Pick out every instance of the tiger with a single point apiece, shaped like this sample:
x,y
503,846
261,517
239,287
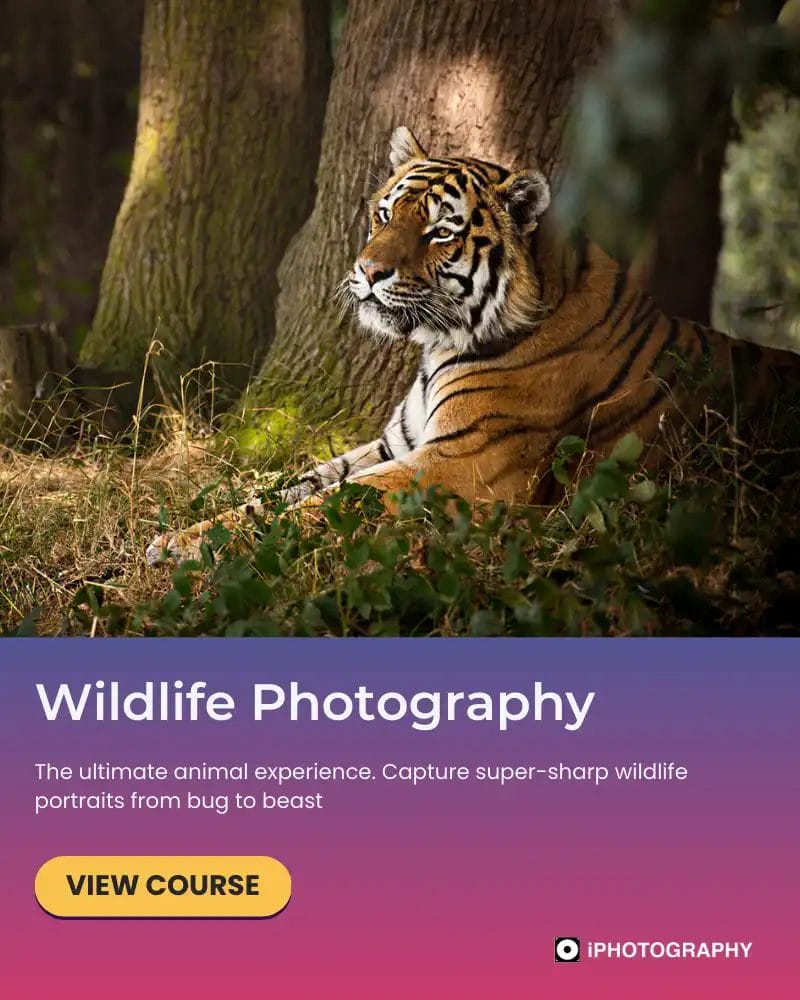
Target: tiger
x,y
524,337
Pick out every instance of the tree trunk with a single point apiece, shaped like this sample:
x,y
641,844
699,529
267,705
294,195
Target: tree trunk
x,y
66,132
678,263
490,78
230,114
27,355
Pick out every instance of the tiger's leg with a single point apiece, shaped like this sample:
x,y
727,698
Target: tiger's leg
x,y
425,466
182,545
336,471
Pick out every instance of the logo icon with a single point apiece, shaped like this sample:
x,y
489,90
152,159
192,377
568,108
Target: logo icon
x,y
568,949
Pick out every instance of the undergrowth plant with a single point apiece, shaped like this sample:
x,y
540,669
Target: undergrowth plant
x,y
620,555
710,546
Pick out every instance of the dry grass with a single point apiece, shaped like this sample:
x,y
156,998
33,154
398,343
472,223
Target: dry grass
x,y
82,510
79,504
87,515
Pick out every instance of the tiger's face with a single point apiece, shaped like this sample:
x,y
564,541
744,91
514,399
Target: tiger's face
x,y
446,262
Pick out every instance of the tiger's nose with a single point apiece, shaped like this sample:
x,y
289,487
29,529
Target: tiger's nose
x,y
375,270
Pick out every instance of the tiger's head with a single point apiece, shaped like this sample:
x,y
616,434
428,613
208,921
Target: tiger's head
x,y
446,262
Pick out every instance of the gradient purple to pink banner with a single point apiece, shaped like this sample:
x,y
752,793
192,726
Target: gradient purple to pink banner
x,y
441,890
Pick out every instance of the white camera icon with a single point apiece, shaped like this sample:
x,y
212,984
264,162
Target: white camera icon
x,y
568,949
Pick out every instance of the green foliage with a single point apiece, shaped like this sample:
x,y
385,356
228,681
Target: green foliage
x,y
621,555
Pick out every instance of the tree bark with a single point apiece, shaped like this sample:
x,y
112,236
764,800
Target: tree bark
x,y
230,116
491,78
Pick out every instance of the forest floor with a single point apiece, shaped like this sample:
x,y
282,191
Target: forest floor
x,y
712,547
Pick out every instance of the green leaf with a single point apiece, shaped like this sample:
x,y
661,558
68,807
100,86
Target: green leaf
x,y
595,517
27,627
628,449
485,623
182,581
571,445
565,452
267,560
512,597
198,503
388,551
529,615
561,472
516,564
170,604
436,558
448,585
356,553
689,532
608,482
218,535
643,491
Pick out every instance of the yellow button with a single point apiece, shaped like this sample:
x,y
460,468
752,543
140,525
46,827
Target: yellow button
x,y
132,886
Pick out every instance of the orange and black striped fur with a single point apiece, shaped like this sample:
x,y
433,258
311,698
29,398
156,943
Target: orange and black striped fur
x,y
525,339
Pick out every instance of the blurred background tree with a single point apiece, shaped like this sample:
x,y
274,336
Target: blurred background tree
x,y
68,95
232,98
651,133
231,110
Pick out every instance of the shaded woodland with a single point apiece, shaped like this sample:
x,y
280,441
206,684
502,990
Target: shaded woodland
x,y
183,186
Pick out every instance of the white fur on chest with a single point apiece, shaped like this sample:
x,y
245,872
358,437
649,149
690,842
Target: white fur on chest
x,y
414,420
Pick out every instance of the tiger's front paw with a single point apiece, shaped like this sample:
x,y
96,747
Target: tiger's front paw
x,y
177,545
309,508
294,495
183,545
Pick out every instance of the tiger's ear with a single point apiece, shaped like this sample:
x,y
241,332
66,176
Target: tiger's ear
x,y
404,147
525,195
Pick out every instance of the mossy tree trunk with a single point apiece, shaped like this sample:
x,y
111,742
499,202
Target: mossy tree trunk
x,y
232,100
492,78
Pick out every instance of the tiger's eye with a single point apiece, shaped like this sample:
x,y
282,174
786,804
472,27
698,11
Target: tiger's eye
x,y
444,234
